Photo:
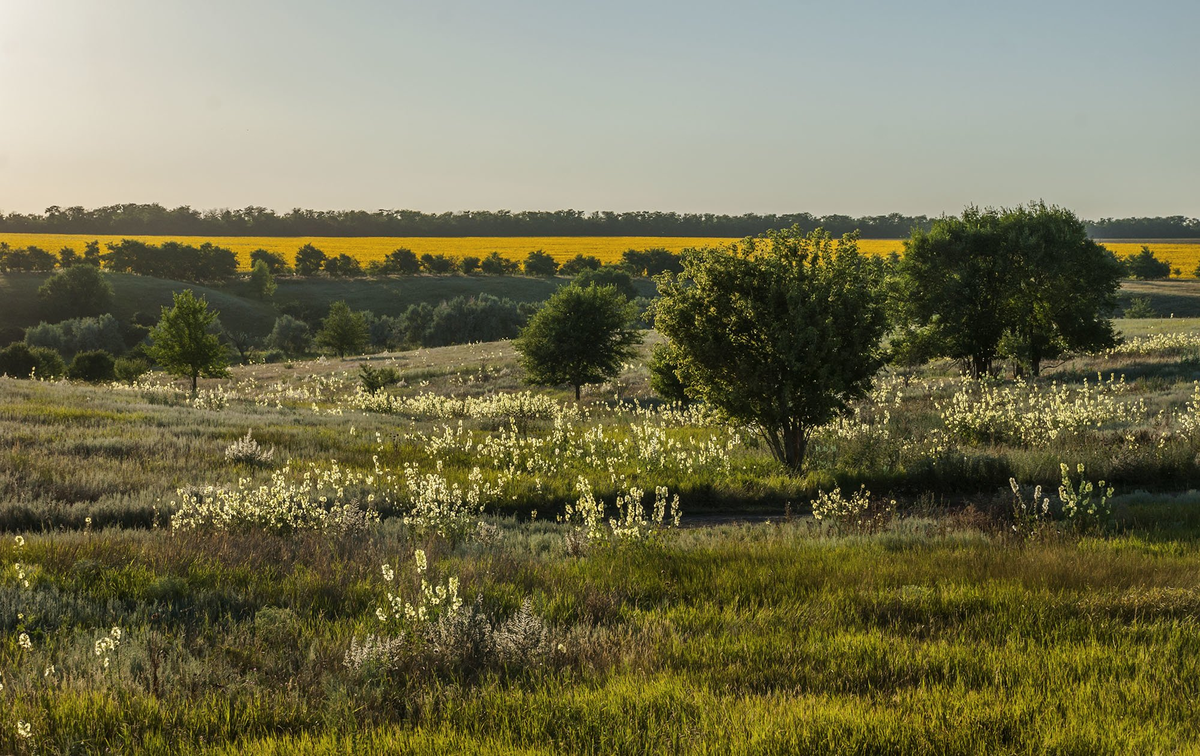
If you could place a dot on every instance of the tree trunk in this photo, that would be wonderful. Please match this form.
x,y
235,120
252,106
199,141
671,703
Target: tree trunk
x,y
194,376
577,393
795,444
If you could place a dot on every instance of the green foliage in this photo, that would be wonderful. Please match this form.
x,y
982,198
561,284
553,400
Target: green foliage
x,y
17,361
780,332
1145,266
92,367
129,369
290,336
402,262
262,283
1028,278
172,260
438,265
1139,307
275,262
49,363
183,342
77,291
580,336
607,275
31,259
538,263
309,260
496,264
578,264
664,378
375,380
648,263
343,266
343,330
78,335
468,265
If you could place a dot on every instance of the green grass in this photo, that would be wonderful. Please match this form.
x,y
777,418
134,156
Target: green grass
x,y
1171,298
736,639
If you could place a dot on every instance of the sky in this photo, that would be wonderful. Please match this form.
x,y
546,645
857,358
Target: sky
x,y
861,108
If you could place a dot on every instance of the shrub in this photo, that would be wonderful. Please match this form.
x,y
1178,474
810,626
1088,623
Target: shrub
x,y
1139,307
538,263
375,380
17,361
309,260
469,264
343,266
578,264
129,369
290,336
79,290
439,265
608,275
79,335
497,265
49,363
1146,266
92,367
275,263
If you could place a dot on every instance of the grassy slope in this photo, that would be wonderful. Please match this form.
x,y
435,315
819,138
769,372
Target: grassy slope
x,y
20,306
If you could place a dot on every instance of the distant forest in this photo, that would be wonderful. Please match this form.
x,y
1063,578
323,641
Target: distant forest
x,y
155,219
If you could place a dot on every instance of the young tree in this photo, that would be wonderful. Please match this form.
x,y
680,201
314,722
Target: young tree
x,y
496,264
274,261
468,265
438,265
77,291
290,336
580,336
538,263
578,264
401,261
262,283
1145,266
183,341
780,332
343,330
309,260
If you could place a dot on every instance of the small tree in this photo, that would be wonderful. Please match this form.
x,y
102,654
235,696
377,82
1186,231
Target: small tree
x,y
290,336
1145,266
343,330
262,283
469,264
309,260
183,342
402,261
608,275
438,265
580,336
77,291
578,264
538,263
780,332
496,264
274,261
343,266
92,367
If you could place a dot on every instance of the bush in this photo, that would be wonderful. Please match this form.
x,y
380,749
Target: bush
x,y
578,264
93,367
439,265
538,263
49,363
1139,307
1145,266
402,261
469,264
274,262
608,275
375,380
497,265
78,291
70,337
129,369
17,361
462,320
290,336
343,266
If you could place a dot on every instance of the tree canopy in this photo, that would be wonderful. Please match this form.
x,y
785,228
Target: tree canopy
x,y
184,343
580,336
779,332
343,330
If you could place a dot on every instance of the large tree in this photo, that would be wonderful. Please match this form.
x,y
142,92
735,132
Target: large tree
x,y
1027,282
184,342
780,332
580,336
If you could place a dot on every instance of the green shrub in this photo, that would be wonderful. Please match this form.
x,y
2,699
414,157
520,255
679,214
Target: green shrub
x,y
129,369
17,361
93,367
49,362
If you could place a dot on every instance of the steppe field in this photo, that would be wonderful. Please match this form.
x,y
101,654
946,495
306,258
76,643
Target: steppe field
x,y
460,565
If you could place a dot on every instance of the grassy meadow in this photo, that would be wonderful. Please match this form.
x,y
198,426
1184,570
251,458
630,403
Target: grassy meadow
x,y
460,564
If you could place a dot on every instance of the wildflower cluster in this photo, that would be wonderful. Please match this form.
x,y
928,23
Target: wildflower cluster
x,y
433,601
631,523
106,645
1166,344
249,452
322,499
437,506
1031,415
1088,505
855,513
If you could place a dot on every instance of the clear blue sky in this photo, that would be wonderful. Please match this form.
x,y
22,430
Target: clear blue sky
x,y
848,107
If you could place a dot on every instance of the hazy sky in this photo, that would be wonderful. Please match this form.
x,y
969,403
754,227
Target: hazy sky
x,y
848,107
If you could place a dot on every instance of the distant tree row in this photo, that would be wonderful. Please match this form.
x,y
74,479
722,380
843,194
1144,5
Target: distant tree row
x,y
259,221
